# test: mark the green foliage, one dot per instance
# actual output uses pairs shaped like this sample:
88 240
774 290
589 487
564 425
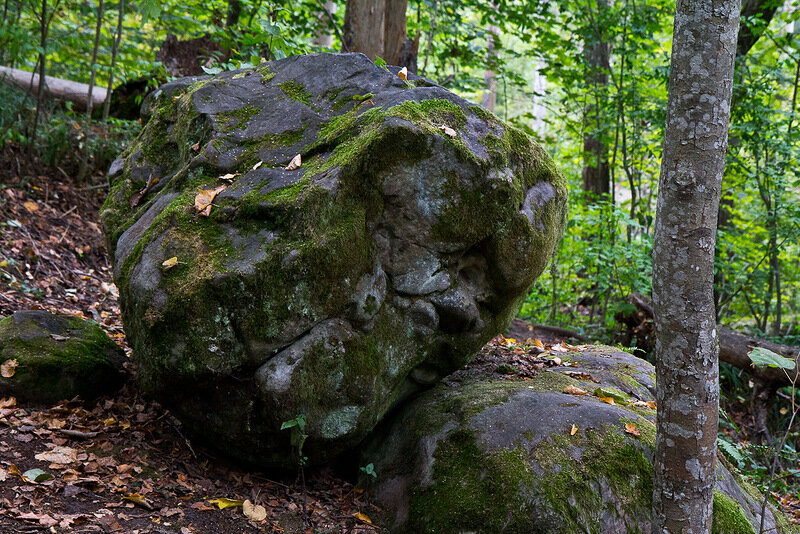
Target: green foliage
369 470
298 436
766 358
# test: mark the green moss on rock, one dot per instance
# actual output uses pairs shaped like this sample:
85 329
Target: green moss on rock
729 518
296 91
58 357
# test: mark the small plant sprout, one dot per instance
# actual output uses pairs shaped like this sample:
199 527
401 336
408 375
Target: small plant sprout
369 469
297 437
762 357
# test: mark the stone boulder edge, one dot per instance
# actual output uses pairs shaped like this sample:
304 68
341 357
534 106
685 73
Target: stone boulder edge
406 240
488 455
57 356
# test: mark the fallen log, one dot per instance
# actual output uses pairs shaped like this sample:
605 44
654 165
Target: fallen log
75 92
733 346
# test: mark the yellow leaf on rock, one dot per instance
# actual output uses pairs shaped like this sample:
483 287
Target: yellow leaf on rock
295 163
224 502
572 390
630 428
204 198
362 517
573 430
254 512
8 368
538 342
403 73
608 400
170 263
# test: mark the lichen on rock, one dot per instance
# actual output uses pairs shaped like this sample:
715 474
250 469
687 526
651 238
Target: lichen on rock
334 290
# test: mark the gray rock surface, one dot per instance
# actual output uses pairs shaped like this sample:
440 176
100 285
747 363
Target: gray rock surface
486 455
405 241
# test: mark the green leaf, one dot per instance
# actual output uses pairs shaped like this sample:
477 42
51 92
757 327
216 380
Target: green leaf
762 357
730 449
36 475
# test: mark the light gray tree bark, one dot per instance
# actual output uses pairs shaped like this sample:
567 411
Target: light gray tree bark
687 367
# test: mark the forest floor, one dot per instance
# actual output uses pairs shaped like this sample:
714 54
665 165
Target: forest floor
122 464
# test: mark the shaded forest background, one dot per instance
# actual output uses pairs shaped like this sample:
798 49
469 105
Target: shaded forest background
587 79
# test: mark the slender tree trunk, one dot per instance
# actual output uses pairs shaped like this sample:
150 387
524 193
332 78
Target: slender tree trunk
42 57
324 36
88 128
687 350
489 99
596 175
234 12
114 52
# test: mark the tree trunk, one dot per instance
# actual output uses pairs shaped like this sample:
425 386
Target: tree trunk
489 99
75 92
89 103
687 365
378 28
114 52
324 36
596 175
233 14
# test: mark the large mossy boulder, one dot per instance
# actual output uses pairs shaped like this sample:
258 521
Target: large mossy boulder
488 455
404 242
48 357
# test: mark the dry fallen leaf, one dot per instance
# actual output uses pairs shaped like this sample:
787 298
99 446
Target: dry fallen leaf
538 342
58 455
137 197
257 165
403 73
196 146
229 177
294 164
362 517
572 390
580 375
30 206
8 368
254 512
204 198
448 131
630 428
8 402
224 502
608 400
170 263
573 430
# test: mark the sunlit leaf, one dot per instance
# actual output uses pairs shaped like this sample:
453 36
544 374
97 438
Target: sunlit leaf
224 502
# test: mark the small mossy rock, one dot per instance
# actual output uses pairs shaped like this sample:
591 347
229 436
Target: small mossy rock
333 290
485 455
58 357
